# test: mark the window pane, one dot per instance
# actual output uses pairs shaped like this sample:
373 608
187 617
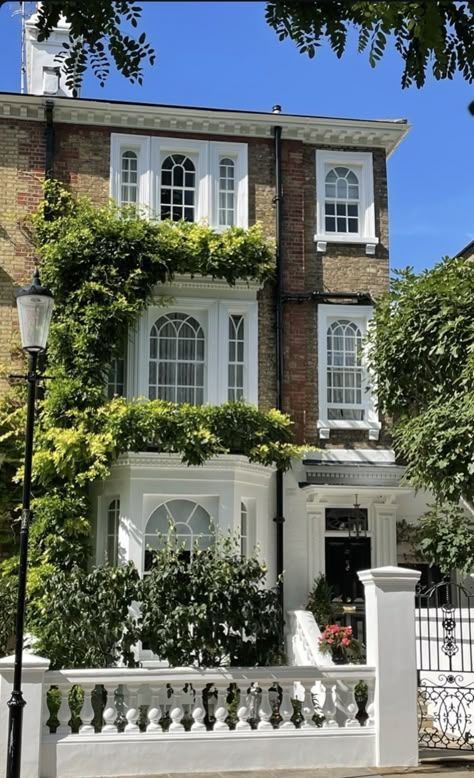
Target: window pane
341 225
330 224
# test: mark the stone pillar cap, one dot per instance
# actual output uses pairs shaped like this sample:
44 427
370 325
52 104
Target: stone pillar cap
393 577
30 661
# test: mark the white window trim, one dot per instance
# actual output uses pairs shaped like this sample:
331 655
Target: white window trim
103 504
250 313
213 318
140 144
238 153
198 152
362 163
205 154
360 315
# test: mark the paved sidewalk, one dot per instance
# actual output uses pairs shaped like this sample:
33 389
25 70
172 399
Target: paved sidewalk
445 767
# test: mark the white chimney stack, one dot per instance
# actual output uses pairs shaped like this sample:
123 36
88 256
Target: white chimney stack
44 73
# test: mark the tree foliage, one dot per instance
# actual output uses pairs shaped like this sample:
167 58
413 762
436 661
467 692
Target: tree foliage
437 34
212 610
445 537
422 355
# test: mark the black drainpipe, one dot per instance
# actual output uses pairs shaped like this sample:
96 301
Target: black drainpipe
279 517
49 137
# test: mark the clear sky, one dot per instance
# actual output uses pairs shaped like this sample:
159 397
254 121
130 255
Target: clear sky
222 54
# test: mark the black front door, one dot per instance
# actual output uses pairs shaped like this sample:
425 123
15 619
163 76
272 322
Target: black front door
344 558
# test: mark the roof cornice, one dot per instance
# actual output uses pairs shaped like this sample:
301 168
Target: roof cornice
321 130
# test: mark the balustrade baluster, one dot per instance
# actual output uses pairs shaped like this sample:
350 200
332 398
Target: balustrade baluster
286 708
370 706
198 713
243 714
307 710
154 713
329 706
351 707
176 713
109 714
46 713
64 712
220 711
132 713
264 712
87 711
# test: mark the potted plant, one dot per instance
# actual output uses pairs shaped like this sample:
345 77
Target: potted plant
340 643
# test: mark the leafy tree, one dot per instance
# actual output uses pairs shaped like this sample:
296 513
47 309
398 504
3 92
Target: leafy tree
422 355
8 595
445 537
438 32
210 610
84 619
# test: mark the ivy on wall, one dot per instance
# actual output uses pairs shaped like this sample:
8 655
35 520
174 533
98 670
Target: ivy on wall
103 266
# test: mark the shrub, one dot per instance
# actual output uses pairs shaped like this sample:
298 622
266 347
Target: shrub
211 609
84 619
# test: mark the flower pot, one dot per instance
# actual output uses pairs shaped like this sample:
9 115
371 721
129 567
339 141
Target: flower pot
339 656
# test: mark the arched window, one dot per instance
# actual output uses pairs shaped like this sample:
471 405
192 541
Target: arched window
244 530
178 188
113 516
191 521
129 178
226 192
341 207
176 368
235 390
344 371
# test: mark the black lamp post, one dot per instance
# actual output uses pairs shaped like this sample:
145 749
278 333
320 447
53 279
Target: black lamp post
35 306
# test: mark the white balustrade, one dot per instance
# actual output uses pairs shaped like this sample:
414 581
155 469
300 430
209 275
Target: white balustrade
227 700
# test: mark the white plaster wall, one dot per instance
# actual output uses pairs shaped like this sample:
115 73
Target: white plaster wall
145 481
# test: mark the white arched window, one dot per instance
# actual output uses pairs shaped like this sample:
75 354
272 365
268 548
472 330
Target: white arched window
113 516
341 206
129 178
244 530
235 381
191 521
178 188
226 192
345 371
176 367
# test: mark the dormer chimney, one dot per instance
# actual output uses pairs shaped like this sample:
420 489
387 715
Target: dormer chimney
44 73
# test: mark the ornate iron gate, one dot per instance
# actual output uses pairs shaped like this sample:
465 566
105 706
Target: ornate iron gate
445 662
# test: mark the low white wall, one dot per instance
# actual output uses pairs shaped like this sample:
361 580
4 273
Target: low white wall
100 755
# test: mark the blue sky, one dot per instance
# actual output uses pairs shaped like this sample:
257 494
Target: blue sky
222 54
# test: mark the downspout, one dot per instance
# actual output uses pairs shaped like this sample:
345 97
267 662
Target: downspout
49 138
279 517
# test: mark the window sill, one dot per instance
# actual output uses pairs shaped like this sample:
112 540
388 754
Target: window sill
322 240
325 426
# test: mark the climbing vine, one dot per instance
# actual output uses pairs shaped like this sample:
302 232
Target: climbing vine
104 265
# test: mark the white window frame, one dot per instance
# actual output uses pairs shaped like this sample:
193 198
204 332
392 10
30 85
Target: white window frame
360 315
249 311
205 155
239 154
361 163
213 316
197 151
140 144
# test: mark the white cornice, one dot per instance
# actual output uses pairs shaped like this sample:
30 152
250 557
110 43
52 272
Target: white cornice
223 462
185 282
339 474
361 133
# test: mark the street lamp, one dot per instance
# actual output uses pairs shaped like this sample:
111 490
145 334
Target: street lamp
35 306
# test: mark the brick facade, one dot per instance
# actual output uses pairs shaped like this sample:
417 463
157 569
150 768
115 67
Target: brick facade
82 161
